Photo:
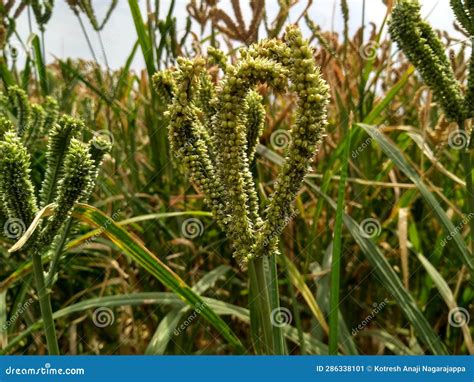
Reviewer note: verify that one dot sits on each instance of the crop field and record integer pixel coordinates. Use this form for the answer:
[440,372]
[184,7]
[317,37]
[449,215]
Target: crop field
[247,180]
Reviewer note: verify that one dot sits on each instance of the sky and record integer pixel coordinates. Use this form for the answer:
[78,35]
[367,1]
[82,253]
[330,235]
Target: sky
[64,37]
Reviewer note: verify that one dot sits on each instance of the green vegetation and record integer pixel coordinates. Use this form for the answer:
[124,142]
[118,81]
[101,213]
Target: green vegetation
[292,191]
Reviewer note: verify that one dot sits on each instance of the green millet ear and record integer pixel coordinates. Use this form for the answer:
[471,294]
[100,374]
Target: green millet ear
[16,189]
[206,93]
[236,123]
[86,7]
[51,108]
[4,101]
[79,169]
[21,107]
[98,147]
[217,57]
[43,11]
[423,48]
[464,12]
[187,138]
[164,85]
[37,121]
[230,136]
[306,135]
[5,125]
[58,143]
[255,120]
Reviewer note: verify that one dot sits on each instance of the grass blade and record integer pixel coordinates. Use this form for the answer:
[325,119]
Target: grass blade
[152,264]
[168,324]
[382,268]
[163,298]
[448,297]
[40,67]
[336,256]
[398,159]
[143,38]
[297,279]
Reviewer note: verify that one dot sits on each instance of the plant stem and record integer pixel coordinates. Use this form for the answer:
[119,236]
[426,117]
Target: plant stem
[272,276]
[58,249]
[3,320]
[336,255]
[263,273]
[255,314]
[84,32]
[296,308]
[45,305]
[467,164]
[264,305]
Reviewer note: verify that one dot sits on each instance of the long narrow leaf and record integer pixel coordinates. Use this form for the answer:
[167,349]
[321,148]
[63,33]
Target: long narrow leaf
[168,324]
[167,299]
[382,268]
[40,66]
[152,264]
[399,160]
[143,38]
